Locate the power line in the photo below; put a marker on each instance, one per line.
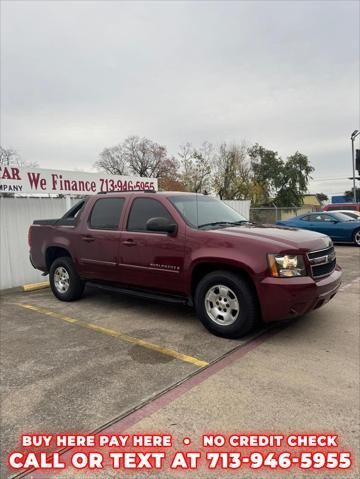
(338, 178)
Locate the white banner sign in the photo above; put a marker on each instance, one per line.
(15, 179)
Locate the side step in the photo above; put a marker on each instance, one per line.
(142, 293)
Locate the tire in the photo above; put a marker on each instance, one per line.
(356, 237)
(65, 283)
(225, 290)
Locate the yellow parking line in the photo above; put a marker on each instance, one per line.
(118, 335)
(35, 286)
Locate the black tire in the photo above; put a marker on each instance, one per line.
(75, 284)
(356, 237)
(248, 310)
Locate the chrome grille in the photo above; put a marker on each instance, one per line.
(322, 262)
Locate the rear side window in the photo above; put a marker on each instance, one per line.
(75, 210)
(106, 213)
(142, 210)
(71, 216)
(328, 218)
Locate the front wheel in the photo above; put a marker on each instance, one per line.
(225, 304)
(356, 237)
(65, 283)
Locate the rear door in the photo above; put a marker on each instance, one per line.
(98, 246)
(151, 259)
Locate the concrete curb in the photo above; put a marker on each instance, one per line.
(25, 288)
(35, 286)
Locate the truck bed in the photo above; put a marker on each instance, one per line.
(46, 222)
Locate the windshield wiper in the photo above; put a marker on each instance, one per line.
(223, 223)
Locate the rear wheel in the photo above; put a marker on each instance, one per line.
(226, 304)
(356, 237)
(64, 281)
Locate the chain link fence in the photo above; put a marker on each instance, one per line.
(272, 215)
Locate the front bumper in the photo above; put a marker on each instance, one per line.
(284, 298)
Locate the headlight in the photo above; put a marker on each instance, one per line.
(286, 266)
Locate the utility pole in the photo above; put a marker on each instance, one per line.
(354, 134)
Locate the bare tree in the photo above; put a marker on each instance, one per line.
(196, 166)
(232, 177)
(142, 157)
(113, 160)
(145, 157)
(10, 157)
(186, 165)
(170, 179)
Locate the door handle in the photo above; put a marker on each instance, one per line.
(88, 238)
(129, 242)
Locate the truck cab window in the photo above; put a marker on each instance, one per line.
(106, 213)
(142, 210)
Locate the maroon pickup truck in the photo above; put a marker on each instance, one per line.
(190, 248)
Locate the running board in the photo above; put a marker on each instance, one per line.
(142, 294)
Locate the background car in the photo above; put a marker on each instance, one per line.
(336, 225)
(341, 206)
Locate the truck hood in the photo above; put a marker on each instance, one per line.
(283, 236)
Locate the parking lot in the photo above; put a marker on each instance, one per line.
(104, 362)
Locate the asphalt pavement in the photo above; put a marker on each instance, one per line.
(115, 363)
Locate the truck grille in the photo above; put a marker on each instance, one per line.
(322, 262)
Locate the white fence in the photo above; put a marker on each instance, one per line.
(16, 216)
(242, 207)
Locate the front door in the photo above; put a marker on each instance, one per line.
(98, 248)
(326, 224)
(151, 259)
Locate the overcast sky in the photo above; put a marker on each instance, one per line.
(80, 76)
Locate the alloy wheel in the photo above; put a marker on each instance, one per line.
(222, 305)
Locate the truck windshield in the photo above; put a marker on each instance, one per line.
(205, 212)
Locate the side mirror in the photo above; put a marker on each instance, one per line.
(161, 225)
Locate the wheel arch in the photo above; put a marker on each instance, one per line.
(354, 233)
(54, 252)
(203, 268)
